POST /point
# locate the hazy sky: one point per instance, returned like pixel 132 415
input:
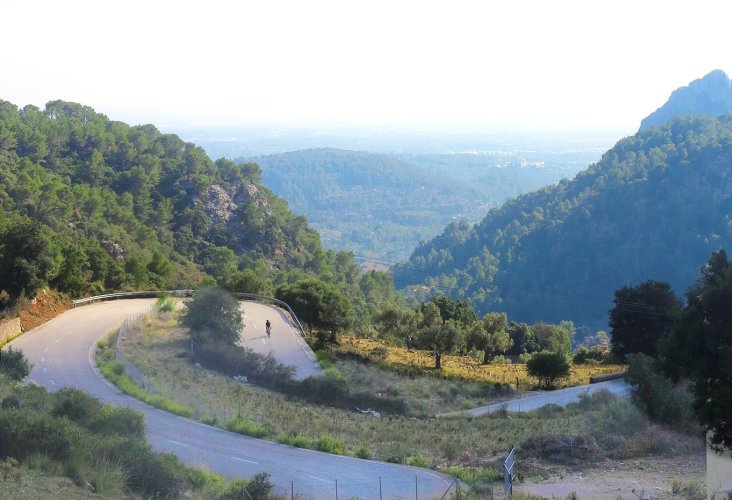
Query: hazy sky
pixel 515 65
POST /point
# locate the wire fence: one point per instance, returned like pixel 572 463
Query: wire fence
pixel 416 487
pixel 120 357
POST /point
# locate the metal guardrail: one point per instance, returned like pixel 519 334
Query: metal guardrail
pixel 187 293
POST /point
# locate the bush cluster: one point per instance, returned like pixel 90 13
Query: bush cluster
pixel 329 389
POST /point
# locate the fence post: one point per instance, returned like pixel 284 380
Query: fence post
pixel 416 493
pixel 380 495
pixel 292 490
pixel 336 481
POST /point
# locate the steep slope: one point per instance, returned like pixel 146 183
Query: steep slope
pixel 655 206
pixel 375 203
pixel 710 95
pixel 117 207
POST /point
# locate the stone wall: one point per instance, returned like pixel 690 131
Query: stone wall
pixel 9 329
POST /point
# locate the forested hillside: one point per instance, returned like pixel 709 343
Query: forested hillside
pixel 383 205
pixel 710 95
pixel 88 204
pixel 656 205
pixel 377 204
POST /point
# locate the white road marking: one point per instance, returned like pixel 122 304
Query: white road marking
pixel 178 442
pixel 244 460
pixel 43 359
pixel 263 342
pixel 52 382
pixel 318 478
pixel 44 370
pixel 57 340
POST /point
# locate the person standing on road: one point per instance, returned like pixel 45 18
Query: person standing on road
pixel 269 328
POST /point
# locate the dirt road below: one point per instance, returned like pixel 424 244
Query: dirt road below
pixel 652 477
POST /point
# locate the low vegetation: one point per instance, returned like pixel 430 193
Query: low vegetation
pixel 69 445
pixel 158 348
pixel 500 371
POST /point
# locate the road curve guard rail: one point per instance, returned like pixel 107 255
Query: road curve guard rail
pixel 188 293
pixel 608 376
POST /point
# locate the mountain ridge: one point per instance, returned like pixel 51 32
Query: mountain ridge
pixel 710 95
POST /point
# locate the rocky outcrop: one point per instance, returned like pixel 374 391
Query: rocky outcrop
pixel 710 95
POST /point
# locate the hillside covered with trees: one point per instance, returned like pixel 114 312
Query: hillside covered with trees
pixel 382 205
pixel 88 204
pixel 656 205
pixel 377 204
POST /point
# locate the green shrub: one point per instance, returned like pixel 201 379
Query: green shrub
pixel 246 427
pixel 333 373
pixel 23 433
pixel 621 418
pixel 363 452
pixel 295 439
pixel 379 353
pixel 10 402
pixel 165 303
pixel 548 411
pixel 209 483
pixel 74 405
pixel 548 366
pixel 210 420
pixel 330 444
pixel 657 396
pixel 14 364
pixel 417 461
pixel 596 354
pixel 112 420
pixel 472 475
pixel 499 360
pixel 324 359
pixel 156 474
pixel 258 488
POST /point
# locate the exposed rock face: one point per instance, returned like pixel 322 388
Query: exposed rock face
pixel 114 250
pixel 220 202
pixel 711 95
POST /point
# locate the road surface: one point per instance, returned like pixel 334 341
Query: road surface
pixel 560 397
pixel 285 343
pixel 62 353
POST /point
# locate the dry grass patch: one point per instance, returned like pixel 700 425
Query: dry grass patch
pixel 158 350
pixel 460 367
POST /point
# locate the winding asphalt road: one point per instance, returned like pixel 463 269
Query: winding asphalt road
pixel 62 353
pixel 560 397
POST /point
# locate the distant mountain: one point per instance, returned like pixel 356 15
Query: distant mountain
pixel 382 206
pixel 655 206
pixel 378 205
pixel 710 95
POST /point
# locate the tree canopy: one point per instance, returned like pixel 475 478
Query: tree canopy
pixel 656 204
pixel 642 316
pixel 214 315
pixel 700 347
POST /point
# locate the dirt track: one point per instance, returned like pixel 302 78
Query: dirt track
pixel 620 479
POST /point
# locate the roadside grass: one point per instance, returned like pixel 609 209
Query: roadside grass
pixel 35 483
pixel 458 367
pixel 579 434
pixel 115 373
pixel 426 395
pixel 157 349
